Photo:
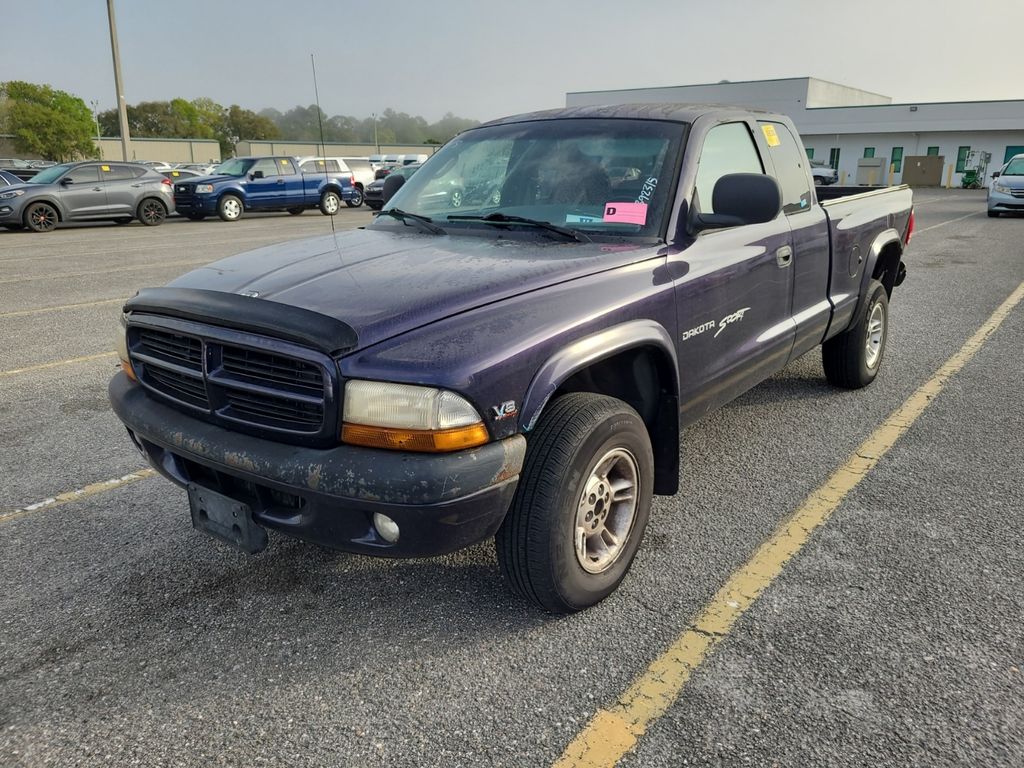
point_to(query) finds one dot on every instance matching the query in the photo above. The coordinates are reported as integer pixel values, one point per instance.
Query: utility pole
(375, 141)
(122, 105)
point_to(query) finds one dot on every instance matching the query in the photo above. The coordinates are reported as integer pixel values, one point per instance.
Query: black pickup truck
(519, 366)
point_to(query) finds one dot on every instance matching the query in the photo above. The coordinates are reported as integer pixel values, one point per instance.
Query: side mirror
(256, 175)
(741, 198)
(392, 183)
(66, 181)
(995, 174)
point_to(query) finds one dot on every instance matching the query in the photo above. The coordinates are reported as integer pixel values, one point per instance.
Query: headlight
(12, 194)
(995, 187)
(409, 418)
(204, 188)
(121, 345)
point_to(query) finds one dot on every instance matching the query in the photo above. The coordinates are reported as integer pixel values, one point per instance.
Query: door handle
(784, 256)
(136, 185)
(280, 181)
(97, 189)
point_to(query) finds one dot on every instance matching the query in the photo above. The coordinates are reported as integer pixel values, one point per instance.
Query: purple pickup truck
(518, 366)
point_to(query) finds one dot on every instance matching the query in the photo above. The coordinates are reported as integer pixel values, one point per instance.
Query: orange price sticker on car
(770, 135)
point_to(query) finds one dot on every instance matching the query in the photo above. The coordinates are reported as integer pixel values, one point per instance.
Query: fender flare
(588, 350)
(884, 239)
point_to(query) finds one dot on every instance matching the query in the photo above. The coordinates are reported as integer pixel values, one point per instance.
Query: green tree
(46, 122)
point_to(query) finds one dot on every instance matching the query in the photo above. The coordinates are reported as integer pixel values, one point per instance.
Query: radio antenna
(323, 148)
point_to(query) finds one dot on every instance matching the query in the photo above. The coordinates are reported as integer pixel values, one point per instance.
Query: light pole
(375, 140)
(122, 106)
(96, 117)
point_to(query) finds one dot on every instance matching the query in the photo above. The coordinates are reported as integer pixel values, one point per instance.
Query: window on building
(791, 171)
(1011, 151)
(961, 158)
(810, 152)
(728, 148)
(833, 158)
(933, 151)
(897, 159)
(869, 151)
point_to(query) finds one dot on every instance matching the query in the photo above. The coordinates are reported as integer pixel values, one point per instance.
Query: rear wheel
(296, 211)
(852, 359)
(582, 504)
(151, 212)
(330, 203)
(41, 217)
(357, 198)
(230, 208)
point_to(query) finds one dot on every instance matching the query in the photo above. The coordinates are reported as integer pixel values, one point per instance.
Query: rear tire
(330, 203)
(582, 504)
(296, 211)
(357, 198)
(41, 217)
(151, 212)
(852, 359)
(230, 208)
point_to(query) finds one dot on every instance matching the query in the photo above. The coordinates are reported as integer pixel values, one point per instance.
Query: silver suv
(89, 191)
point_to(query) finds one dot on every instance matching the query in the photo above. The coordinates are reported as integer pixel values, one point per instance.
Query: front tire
(41, 217)
(993, 214)
(582, 504)
(357, 198)
(151, 212)
(852, 359)
(230, 208)
(330, 203)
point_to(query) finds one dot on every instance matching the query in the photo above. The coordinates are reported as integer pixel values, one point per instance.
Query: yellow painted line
(949, 221)
(615, 729)
(56, 363)
(65, 275)
(26, 312)
(80, 493)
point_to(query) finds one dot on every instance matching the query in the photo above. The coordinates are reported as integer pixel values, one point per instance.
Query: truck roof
(682, 113)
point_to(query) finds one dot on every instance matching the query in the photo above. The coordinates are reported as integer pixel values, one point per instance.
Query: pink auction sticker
(626, 213)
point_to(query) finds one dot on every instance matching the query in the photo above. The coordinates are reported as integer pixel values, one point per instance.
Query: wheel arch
(884, 257)
(53, 202)
(635, 362)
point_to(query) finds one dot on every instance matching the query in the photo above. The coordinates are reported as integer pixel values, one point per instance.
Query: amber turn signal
(423, 441)
(127, 368)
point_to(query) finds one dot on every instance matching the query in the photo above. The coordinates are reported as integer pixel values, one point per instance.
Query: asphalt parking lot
(894, 637)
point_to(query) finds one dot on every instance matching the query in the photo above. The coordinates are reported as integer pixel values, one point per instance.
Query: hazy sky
(483, 59)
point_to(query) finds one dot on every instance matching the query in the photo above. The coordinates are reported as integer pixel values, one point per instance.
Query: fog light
(386, 527)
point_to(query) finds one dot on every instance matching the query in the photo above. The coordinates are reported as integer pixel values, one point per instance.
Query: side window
(116, 172)
(285, 167)
(728, 148)
(267, 164)
(86, 174)
(790, 169)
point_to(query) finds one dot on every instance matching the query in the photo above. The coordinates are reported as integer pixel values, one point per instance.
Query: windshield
(598, 176)
(1015, 167)
(237, 166)
(49, 175)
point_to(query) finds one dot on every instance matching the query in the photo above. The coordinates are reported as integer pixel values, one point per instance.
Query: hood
(1013, 182)
(208, 179)
(384, 283)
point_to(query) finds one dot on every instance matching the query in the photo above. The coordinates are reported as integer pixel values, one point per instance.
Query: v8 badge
(505, 411)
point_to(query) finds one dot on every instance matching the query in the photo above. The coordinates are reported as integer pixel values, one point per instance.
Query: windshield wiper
(500, 218)
(425, 222)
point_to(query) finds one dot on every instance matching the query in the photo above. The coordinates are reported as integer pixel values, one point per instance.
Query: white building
(840, 124)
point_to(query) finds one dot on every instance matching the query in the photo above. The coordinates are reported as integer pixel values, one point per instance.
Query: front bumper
(186, 204)
(441, 502)
(1000, 201)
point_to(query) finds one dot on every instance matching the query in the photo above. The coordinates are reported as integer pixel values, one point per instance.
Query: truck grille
(234, 383)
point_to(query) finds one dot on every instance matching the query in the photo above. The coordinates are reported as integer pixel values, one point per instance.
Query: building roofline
(707, 85)
(918, 104)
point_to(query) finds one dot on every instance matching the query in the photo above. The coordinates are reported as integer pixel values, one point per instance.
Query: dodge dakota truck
(518, 367)
(262, 184)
